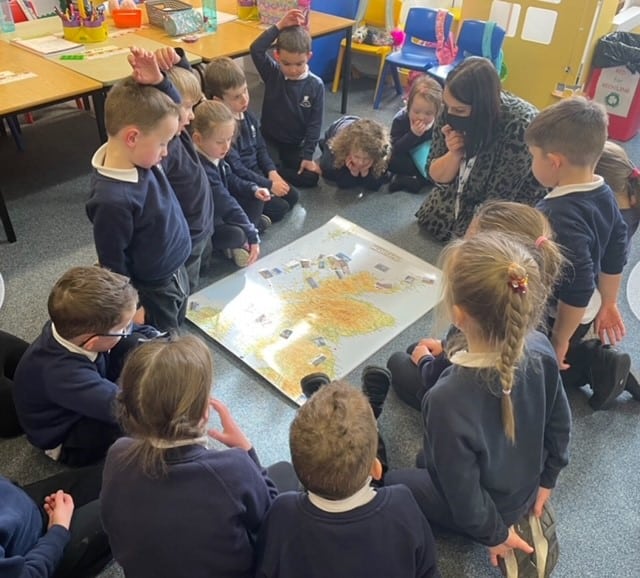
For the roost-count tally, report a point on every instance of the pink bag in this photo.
(446, 49)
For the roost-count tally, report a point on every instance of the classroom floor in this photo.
(597, 499)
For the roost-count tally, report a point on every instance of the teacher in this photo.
(478, 150)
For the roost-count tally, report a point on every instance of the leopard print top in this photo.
(501, 171)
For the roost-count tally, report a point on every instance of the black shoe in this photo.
(608, 375)
(264, 222)
(375, 385)
(405, 183)
(632, 386)
(313, 382)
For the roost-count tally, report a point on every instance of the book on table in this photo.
(47, 45)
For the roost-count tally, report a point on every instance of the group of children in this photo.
(522, 289)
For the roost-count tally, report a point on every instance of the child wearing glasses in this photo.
(65, 382)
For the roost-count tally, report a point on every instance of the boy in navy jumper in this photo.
(293, 101)
(248, 158)
(138, 225)
(65, 382)
(341, 526)
(566, 141)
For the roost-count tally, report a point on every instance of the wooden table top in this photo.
(51, 83)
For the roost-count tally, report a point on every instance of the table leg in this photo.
(98, 109)
(346, 70)
(6, 220)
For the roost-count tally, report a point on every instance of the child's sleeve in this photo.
(314, 124)
(39, 562)
(239, 187)
(402, 139)
(265, 162)
(615, 254)
(238, 168)
(265, 64)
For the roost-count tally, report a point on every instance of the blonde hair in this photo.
(497, 283)
(427, 88)
(89, 300)
(209, 115)
(186, 83)
(165, 389)
(616, 168)
(131, 104)
(334, 441)
(574, 127)
(364, 135)
(530, 227)
(223, 74)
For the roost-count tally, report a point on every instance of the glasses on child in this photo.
(126, 332)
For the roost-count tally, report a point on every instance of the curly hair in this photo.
(364, 135)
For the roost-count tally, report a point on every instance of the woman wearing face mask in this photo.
(478, 150)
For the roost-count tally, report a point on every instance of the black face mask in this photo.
(460, 124)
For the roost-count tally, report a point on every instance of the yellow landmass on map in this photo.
(210, 320)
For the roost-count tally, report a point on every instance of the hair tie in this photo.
(635, 174)
(518, 283)
(541, 240)
(506, 392)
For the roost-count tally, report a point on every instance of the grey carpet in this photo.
(597, 496)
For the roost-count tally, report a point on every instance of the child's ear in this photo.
(131, 135)
(459, 316)
(276, 55)
(196, 137)
(92, 344)
(557, 160)
(376, 469)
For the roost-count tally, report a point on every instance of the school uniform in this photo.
(463, 434)
(403, 141)
(385, 536)
(140, 231)
(198, 520)
(12, 348)
(233, 229)
(250, 160)
(291, 112)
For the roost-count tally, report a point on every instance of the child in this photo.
(411, 131)
(617, 170)
(181, 165)
(248, 157)
(170, 506)
(45, 532)
(213, 128)
(341, 526)
(497, 422)
(566, 141)
(355, 153)
(417, 370)
(293, 101)
(65, 382)
(138, 225)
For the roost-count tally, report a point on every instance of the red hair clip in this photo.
(519, 284)
(635, 173)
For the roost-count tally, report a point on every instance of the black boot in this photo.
(375, 385)
(608, 375)
(313, 382)
(633, 387)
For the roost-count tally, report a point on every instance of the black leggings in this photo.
(11, 350)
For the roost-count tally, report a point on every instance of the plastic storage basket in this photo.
(157, 9)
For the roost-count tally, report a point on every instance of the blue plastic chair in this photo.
(419, 28)
(470, 43)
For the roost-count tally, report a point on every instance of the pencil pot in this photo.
(85, 31)
(248, 10)
(273, 10)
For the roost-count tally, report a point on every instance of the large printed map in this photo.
(324, 303)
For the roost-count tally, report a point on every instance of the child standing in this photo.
(235, 232)
(497, 422)
(293, 102)
(170, 506)
(411, 131)
(65, 382)
(417, 370)
(566, 141)
(355, 153)
(248, 157)
(138, 225)
(617, 170)
(333, 441)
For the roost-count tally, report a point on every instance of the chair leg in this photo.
(16, 131)
(396, 79)
(377, 97)
(338, 73)
(379, 80)
(6, 220)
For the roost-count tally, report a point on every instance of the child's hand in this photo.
(138, 318)
(263, 194)
(231, 435)
(419, 127)
(254, 253)
(609, 325)
(513, 541)
(454, 140)
(309, 166)
(280, 187)
(419, 351)
(434, 345)
(145, 67)
(541, 499)
(351, 165)
(59, 508)
(561, 348)
(167, 57)
(294, 17)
